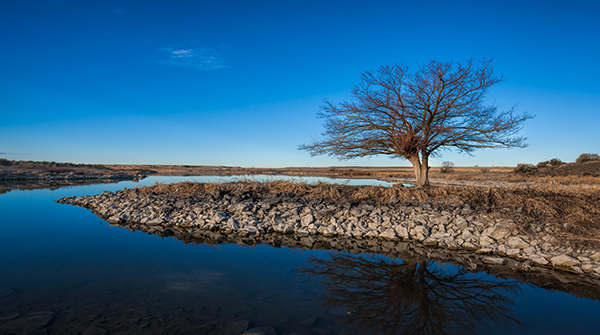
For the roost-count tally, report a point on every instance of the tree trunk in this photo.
(421, 167)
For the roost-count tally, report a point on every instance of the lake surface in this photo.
(63, 270)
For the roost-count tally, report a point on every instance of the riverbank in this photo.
(435, 218)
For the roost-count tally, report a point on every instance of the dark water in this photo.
(65, 271)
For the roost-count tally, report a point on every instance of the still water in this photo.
(65, 271)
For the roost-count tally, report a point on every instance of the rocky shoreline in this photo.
(495, 241)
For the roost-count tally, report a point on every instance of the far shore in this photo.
(567, 174)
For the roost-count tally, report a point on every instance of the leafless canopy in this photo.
(414, 114)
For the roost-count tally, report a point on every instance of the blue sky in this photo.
(240, 82)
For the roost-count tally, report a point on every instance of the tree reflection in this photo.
(411, 296)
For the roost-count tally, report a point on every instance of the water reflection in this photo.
(411, 296)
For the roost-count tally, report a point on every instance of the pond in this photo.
(66, 271)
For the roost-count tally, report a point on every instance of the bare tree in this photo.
(413, 115)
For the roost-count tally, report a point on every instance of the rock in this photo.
(219, 217)
(421, 230)
(517, 242)
(538, 260)
(469, 246)
(484, 251)
(306, 220)
(503, 248)
(260, 331)
(430, 242)
(595, 257)
(513, 252)
(238, 207)
(501, 231)
(440, 235)
(460, 222)
(529, 251)
(564, 261)
(587, 268)
(494, 260)
(389, 234)
(372, 233)
(329, 232)
(466, 210)
(402, 232)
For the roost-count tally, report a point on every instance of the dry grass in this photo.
(573, 213)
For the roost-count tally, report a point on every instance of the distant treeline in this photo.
(43, 164)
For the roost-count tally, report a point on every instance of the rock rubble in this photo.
(254, 215)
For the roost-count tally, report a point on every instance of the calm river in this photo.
(63, 270)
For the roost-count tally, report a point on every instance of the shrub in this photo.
(587, 158)
(525, 168)
(447, 167)
(543, 164)
(556, 162)
(484, 170)
(552, 162)
(5, 162)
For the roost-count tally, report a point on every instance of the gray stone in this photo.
(402, 232)
(517, 242)
(460, 222)
(564, 261)
(595, 256)
(503, 248)
(329, 232)
(513, 252)
(389, 234)
(430, 242)
(587, 268)
(421, 230)
(484, 251)
(501, 231)
(440, 235)
(469, 246)
(494, 260)
(306, 220)
(155, 222)
(219, 217)
(538, 260)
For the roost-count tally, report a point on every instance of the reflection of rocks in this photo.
(503, 267)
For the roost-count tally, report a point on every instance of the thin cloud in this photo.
(2, 153)
(198, 58)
